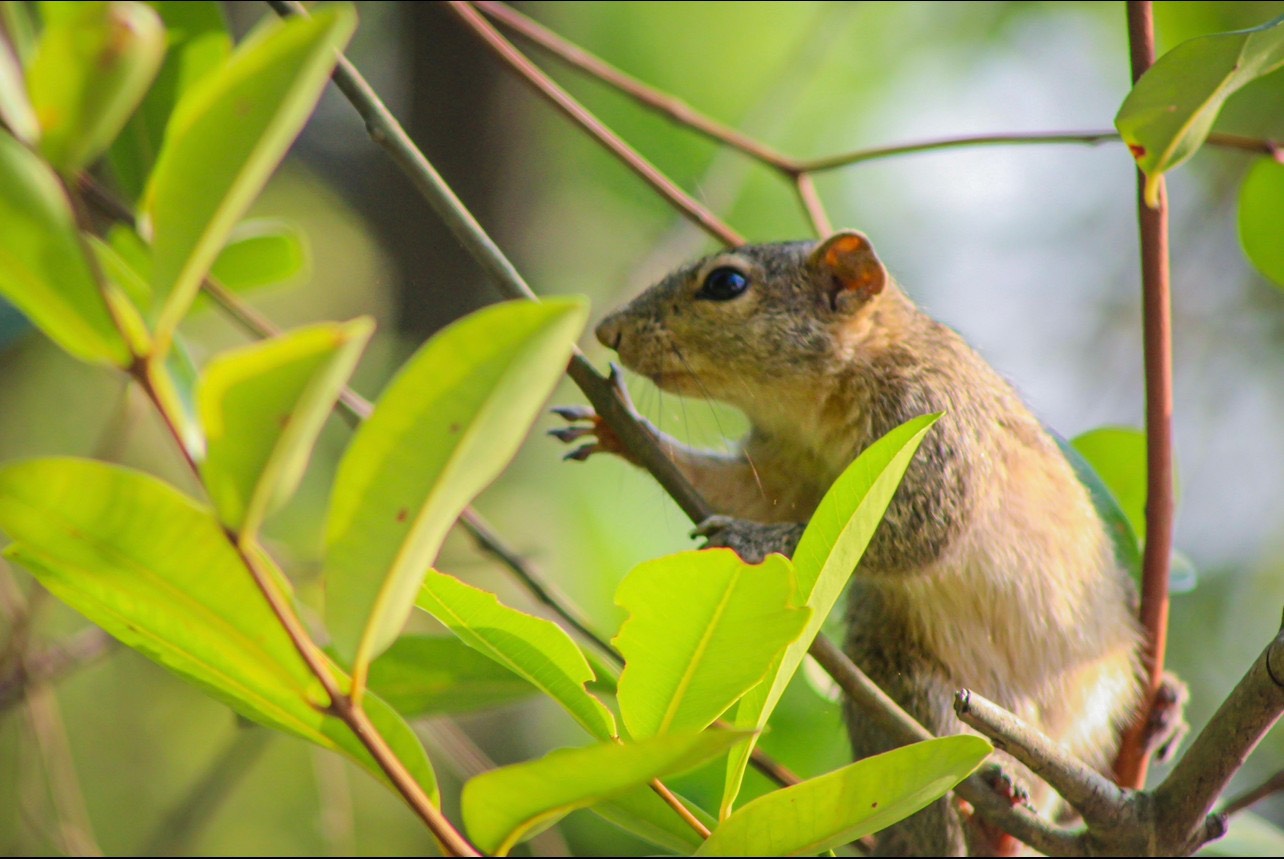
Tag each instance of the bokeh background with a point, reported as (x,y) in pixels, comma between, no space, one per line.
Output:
(1030,252)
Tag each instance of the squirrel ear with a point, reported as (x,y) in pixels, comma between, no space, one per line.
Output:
(849,269)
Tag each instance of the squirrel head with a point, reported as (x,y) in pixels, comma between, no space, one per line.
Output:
(769,314)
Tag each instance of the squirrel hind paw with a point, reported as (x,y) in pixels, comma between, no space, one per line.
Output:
(752,541)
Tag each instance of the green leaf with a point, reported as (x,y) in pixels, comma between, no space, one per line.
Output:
(155,570)
(1118,524)
(43,269)
(1118,456)
(1170,111)
(827,554)
(422,674)
(262,252)
(92,66)
(262,407)
(15,109)
(444,428)
(703,628)
(198,43)
(1261,216)
(825,812)
(225,137)
(640,811)
(500,806)
(537,650)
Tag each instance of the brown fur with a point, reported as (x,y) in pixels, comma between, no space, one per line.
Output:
(991,569)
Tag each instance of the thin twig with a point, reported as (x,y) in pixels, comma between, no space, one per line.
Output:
(74,831)
(198,805)
(682,113)
(662,102)
(812,204)
(1272,785)
(676,804)
(563,101)
(1133,759)
(54,663)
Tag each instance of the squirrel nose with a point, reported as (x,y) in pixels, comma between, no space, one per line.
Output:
(609,331)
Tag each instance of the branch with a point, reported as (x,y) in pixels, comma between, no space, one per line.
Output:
(1274,784)
(1131,764)
(661,102)
(563,101)
(53,664)
(1184,800)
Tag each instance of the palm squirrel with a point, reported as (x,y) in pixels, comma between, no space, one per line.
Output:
(991,569)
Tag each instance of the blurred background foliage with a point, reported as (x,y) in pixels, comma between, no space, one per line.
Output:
(1030,252)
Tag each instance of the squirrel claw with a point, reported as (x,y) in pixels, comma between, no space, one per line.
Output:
(570,434)
(582,452)
(574,413)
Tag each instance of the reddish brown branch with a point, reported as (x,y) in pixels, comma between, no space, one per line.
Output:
(1131,764)
(659,101)
(563,101)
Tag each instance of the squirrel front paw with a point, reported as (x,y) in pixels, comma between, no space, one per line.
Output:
(587,423)
(752,541)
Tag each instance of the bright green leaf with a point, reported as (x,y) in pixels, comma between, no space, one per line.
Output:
(423,674)
(262,407)
(262,252)
(15,109)
(225,137)
(836,808)
(1261,219)
(703,628)
(442,431)
(43,270)
(827,554)
(153,569)
(1170,111)
(92,66)
(126,293)
(198,43)
(501,806)
(534,649)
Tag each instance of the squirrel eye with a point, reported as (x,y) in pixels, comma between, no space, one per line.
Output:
(723,284)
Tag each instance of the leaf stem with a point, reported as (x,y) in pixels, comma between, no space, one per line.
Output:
(1133,759)
(676,804)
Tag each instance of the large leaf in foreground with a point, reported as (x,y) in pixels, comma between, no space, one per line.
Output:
(703,628)
(537,650)
(155,570)
(1170,111)
(828,552)
(43,270)
(262,407)
(441,432)
(500,806)
(836,808)
(224,138)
